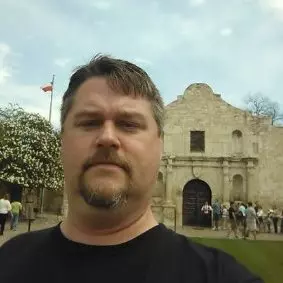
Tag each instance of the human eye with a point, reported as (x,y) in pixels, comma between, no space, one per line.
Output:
(89,123)
(129,125)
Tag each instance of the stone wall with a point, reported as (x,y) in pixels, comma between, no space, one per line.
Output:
(243,155)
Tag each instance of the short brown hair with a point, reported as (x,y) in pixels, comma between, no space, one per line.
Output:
(122,76)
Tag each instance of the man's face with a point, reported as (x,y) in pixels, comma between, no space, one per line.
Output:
(110,147)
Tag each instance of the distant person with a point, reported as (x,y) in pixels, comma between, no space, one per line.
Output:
(206,214)
(225,217)
(216,208)
(241,218)
(260,217)
(15,211)
(5,208)
(232,220)
(112,144)
(251,221)
(275,217)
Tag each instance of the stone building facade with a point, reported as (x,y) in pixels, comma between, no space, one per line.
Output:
(214,150)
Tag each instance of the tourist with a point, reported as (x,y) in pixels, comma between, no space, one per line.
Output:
(112,123)
(225,216)
(232,220)
(206,214)
(269,220)
(15,211)
(281,229)
(241,218)
(251,221)
(275,217)
(5,208)
(216,214)
(260,215)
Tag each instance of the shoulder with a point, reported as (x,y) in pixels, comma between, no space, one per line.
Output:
(216,264)
(25,242)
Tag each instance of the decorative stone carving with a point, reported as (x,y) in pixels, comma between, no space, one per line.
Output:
(196,171)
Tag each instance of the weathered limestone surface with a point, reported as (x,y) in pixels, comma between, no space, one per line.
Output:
(243,157)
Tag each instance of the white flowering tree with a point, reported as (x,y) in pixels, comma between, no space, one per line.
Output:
(29,150)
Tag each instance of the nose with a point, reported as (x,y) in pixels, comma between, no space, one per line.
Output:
(107,136)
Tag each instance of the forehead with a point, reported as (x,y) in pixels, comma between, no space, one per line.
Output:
(95,94)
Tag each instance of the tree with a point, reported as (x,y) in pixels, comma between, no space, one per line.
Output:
(260,105)
(29,150)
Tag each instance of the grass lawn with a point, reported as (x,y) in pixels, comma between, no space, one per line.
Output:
(264,258)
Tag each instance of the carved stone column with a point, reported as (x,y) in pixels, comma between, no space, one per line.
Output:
(169,181)
(250,181)
(226,182)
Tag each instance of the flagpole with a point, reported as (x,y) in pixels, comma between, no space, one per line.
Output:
(50,113)
(51,98)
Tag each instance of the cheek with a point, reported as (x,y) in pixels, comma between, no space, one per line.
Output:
(73,154)
(147,161)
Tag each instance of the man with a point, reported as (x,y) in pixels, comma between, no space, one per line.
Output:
(5,208)
(15,211)
(251,220)
(242,218)
(112,119)
(216,214)
(206,214)
(232,220)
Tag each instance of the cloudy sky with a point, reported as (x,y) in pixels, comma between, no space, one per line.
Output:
(235,46)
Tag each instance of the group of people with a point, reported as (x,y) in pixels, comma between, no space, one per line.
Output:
(7,209)
(242,218)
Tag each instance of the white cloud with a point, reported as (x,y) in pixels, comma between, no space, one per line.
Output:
(195,3)
(226,31)
(5,72)
(143,61)
(62,62)
(101,5)
(275,6)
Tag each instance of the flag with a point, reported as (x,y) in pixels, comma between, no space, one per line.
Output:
(47,87)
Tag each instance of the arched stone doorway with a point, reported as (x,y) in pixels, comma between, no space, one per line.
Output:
(195,193)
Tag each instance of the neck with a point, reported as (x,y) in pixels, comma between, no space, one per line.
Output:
(86,233)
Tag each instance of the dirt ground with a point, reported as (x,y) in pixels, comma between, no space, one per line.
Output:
(52,220)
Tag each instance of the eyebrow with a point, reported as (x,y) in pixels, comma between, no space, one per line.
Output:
(120,114)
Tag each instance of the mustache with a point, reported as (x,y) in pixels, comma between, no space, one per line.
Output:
(107,156)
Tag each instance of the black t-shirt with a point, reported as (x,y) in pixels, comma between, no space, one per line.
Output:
(157,256)
(231,211)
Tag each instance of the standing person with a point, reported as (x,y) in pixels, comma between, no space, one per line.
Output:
(275,218)
(225,217)
(242,218)
(281,229)
(216,214)
(232,220)
(206,214)
(260,215)
(269,220)
(112,120)
(16,209)
(251,220)
(5,208)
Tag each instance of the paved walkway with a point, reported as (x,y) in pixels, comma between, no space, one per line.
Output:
(52,220)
